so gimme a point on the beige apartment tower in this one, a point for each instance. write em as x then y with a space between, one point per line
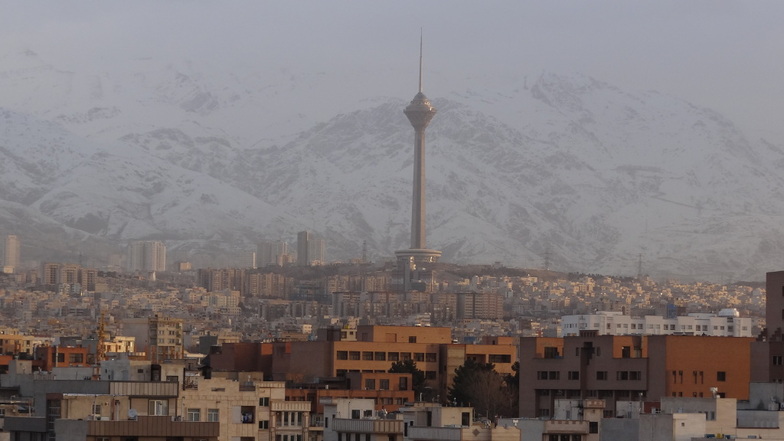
11 253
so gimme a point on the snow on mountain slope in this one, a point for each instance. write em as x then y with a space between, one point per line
118 193
565 165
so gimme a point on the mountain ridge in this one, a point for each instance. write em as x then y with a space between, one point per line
566 166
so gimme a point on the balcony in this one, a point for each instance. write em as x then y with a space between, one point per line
368 426
290 406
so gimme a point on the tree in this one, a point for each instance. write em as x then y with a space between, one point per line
480 386
513 384
409 367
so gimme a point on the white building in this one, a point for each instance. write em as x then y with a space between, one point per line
147 255
725 324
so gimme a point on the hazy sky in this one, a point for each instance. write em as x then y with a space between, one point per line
721 54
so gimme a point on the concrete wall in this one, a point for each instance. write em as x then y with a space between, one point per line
673 427
615 429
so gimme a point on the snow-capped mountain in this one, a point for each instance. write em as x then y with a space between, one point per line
561 165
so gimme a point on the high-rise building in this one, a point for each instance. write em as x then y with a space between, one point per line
317 251
11 254
412 263
310 250
248 259
303 237
270 252
147 255
165 339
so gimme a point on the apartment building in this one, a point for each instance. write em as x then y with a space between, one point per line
161 338
727 323
622 368
347 420
368 349
389 391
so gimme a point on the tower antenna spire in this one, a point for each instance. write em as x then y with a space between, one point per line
420 60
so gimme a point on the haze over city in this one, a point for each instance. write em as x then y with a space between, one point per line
208 230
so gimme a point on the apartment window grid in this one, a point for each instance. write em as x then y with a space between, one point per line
291 418
158 408
193 414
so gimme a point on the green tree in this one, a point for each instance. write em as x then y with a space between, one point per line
513 384
409 367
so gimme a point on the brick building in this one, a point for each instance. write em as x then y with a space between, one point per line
627 368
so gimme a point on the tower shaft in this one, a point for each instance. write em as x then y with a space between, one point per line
418 200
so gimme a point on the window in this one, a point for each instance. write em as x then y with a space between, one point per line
551 352
500 358
635 375
213 415
721 376
574 375
382 356
370 384
393 356
412 339
193 415
247 413
622 375
430 357
367 356
263 424
383 384
553 375
96 409
158 407
601 375
405 356
355 414
402 383
419 356
264 401
777 359
342 355
353 355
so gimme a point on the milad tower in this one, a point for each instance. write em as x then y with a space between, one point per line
412 263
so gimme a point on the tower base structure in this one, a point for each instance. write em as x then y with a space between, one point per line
414 271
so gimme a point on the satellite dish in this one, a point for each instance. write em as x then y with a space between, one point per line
132 414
